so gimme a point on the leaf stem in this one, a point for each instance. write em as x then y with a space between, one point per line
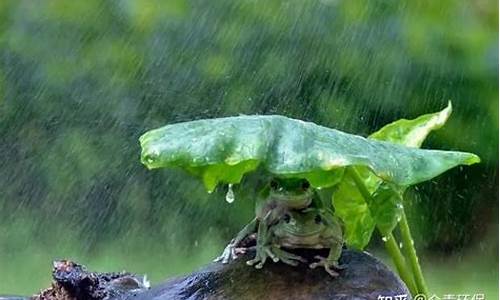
389 241
399 261
411 254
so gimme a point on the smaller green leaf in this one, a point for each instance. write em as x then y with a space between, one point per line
386 208
351 207
412 133
361 217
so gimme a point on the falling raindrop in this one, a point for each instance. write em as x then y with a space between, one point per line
400 245
230 193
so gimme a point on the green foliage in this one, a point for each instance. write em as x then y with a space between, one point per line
224 149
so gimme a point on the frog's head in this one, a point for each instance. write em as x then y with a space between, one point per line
303 224
292 190
304 229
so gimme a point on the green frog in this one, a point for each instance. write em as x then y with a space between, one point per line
277 202
276 198
311 228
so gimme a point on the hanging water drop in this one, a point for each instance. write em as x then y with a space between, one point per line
400 245
230 193
385 239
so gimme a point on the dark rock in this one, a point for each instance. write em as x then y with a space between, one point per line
73 281
365 277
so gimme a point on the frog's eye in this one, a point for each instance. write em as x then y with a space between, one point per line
286 218
317 219
274 184
305 185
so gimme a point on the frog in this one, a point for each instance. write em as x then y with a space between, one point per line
278 197
310 228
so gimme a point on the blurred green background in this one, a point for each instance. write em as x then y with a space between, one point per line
80 81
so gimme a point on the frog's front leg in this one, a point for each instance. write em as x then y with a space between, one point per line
263 244
330 263
231 251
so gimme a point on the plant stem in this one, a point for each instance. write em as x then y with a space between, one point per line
389 241
399 261
411 254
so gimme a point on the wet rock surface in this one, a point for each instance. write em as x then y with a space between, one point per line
364 278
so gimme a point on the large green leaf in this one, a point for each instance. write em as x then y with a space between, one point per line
224 149
385 206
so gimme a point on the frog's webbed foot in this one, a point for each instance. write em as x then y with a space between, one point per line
275 254
329 265
262 253
231 252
